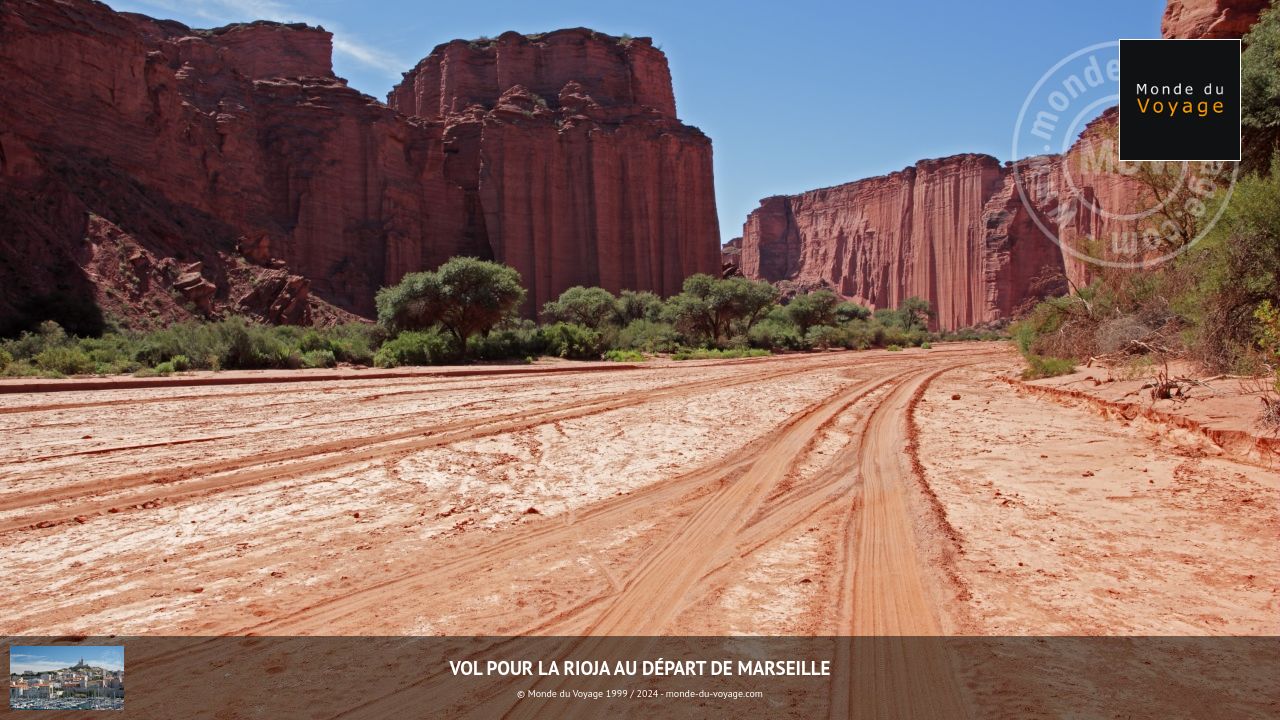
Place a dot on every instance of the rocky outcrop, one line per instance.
(954, 231)
(731, 258)
(1210, 18)
(237, 149)
(569, 147)
(943, 230)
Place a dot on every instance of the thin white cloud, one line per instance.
(221, 12)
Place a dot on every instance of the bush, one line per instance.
(181, 363)
(632, 306)
(112, 353)
(28, 345)
(773, 333)
(589, 307)
(165, 368)
(823, 337)
(860, 335)
(569, 340)
(514, 339)
(1236, 267)
(252, 347)
(65, 360)
(648, 336)
(205, 344)
(5, 359)
(427, 347)
(624, 356)
(1039, 366)
(716, 354)
(894, 348)
(319, 359)
(926, 346)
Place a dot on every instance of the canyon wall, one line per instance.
(956, 231)
(156, 172)
(952, 231)
(574, 154)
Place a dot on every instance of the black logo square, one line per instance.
(1179, 100)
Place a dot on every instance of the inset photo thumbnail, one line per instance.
(66, 677)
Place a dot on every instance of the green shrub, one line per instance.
(319, 359)
(426, 347)
(590, 307)
(926, 346)
(624, 356)
(112, 353)
(165, 368)
(894, 348)
(28, 345)
(823, 337)
(718, 354)
(1236, 267)
(775, 333)
(65, 360)
(5, 359)
(181, 363)
(1039, 366)
(648, 336)
(568, 340)
(513, 339)
(632, 306)
(860, 335)
(251, 347)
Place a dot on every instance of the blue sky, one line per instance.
(42, 658)
(795, 95)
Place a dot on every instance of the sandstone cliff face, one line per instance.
(569, 146)
(947, 230)
(954, 231)
(245, 177)
(1210, 18)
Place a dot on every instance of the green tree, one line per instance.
(915, 313)
(465, 296)
(752, 299)
(1260, 85)
(709, 306)
(590, 307)
(814, 308)
(642, 305)
(850, 311)
(1234, 269)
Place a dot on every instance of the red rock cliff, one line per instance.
(156, 171)
(1210, 18)
(569, 145)
(956, 231)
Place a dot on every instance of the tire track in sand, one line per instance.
(226, 474)
(895, 667)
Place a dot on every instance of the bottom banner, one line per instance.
(643, 677)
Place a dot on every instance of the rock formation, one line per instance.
(1210, 18)
(155, 171)
(952, 231)
(955, 231)
(569, 144)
